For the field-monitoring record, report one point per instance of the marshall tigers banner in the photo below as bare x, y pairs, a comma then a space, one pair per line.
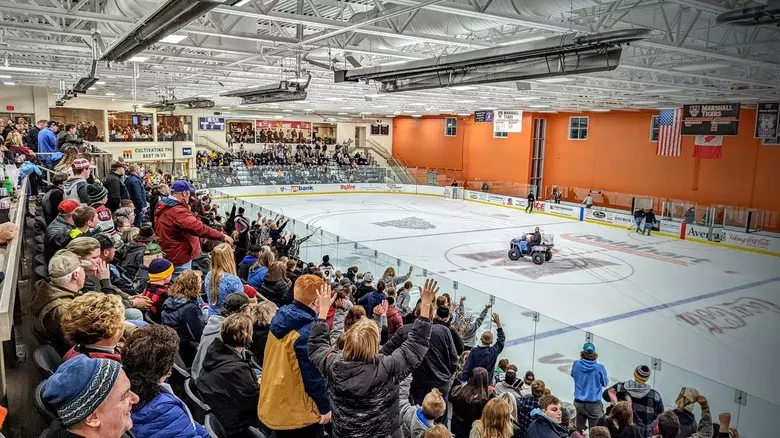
767, 120
710, 119
707, 147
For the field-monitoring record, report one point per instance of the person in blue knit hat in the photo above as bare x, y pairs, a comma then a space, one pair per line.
590, 379
92, 398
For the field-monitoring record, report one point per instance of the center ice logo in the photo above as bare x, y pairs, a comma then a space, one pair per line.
408, 223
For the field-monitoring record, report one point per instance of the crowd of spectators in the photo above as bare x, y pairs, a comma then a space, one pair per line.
283, 155
146, 279
130, 133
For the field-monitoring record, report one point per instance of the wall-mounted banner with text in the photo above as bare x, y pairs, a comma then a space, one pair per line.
508, 121
710, 119
483, 116
767, 120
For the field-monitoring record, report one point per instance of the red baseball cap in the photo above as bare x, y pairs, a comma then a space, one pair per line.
67, 206
250, 291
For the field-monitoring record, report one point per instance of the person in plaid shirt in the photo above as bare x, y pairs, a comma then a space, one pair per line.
160, 272
527, 404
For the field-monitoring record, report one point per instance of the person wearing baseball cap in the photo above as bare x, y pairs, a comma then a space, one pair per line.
76, 186
47, 142
590, 379
115, 186
92, 398
57, 233
237, 302
179, 231
137, 193
66, 279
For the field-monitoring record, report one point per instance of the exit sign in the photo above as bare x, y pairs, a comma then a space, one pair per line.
9, 108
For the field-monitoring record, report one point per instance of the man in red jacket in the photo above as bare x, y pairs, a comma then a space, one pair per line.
178, 230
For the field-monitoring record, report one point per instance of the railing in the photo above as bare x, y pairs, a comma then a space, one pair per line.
207, 177
535, 342
205, 140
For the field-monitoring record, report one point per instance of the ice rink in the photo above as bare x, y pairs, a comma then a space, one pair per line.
709, 310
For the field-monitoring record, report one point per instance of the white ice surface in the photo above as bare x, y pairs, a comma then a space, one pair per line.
632, 302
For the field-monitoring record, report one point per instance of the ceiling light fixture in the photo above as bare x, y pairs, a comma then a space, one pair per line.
539, 105
287, 110
464, 114
347, 107
463, 88
138, 59
342, 114
100, 82
522, 41
9, 83
379, 106
410, 111
173, 39
5, 77
465, 101
416, 115
555, 80
110, 94
526, 98
334, 99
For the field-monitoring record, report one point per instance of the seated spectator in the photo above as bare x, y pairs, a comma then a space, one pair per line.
620, 422
94, 324
525, 405
547, 419
496, 421
437, 431
645, 401
590, 378
148, 360
234, 303
275, 284
75, 187
415, 420
528, 380
107, 255
92, 398
468, 401
57, 233
98, 196
262, 314
249, 259
152, 252
362, 382
160, 272
486, 355
52, 199
511, 400
222, 280
599, 432
84, 220
121, 224
131, 257
181, 311
49, 301
510, 384
227, 381
259, 269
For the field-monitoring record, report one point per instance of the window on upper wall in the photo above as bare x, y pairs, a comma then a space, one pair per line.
500, 134
654, 128
450, 126
578, 128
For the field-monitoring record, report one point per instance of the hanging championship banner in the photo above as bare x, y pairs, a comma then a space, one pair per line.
710, 119
483, 116
767, 120
508, 121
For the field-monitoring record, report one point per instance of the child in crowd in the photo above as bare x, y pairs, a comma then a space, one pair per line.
160, 272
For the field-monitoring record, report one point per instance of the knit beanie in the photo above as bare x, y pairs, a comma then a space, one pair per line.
160, 269
642, 374
79, 387
96, 193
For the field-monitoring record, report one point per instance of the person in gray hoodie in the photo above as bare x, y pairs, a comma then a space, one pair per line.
390, 280
467, 326
510, 384
645, 401
415, 420
234, 303
75, 187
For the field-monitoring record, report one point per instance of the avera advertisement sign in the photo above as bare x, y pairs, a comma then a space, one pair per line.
711, 119
766, 120
703, 233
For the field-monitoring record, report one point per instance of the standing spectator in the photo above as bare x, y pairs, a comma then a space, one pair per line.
590, 379
182, 312
68, 138
47, 142
148, 359
390, 280
136, 193
645, 401
649, 221
234, 303
221, 281
294, 400
620, 422
276, 284
115, 186
159, 192
510, 384
364, 384
530, 200
262, 315
394, 319
528, 380
371, 299
94, 324
52, 198
92, 398
467, 326
468, 401
76, 186
403, 298
366, 286
669, 424
31, 139
588, 201
526, 405
179, 231
49, 300
443, 317
160, 271
547, 419
495, 422
227, 381
57, 233
639, 216
486, 355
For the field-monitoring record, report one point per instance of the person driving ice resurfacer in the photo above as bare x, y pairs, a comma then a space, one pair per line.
525, 243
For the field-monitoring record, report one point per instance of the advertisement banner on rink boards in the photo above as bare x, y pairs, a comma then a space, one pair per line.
508, 121
703, 233
476, 196
767, 119
752, 241
710, 119
608, 217
520, 203
562, 210
670, 227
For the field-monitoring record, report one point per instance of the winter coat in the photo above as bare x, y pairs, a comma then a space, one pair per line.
51, 203
645, 401
158, 293
93, 352
339, 316
256, 277
31, 139
116, 190
56, 237
185, 316
394, 320
136, 192
464, 411
459, 347
131, 258
392, 281
293, 394
274, 291
439, 364
526, 405
402, 302
371, 300
228, 384
362, 290
259, 339
365, 393
544, 427
468, 326
47, 142
226, 285
243, 267
211, 331
179, 231
76, 188
630, 431
413, 421
502, 387
590, 378
165, 416
94, 284
48, 305
485, 357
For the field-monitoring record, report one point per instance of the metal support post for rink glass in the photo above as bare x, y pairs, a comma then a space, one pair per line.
656, 364
740, 397
589, 337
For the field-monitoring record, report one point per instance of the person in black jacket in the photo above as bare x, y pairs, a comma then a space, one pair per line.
639, 216
227, 382
275, 283
649, 220
115, 186
57, 233
262, 314
485, 355
249, 259
443, 318
52, 198
31, 139
531, 199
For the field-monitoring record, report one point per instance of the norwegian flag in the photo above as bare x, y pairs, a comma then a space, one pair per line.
708, 146
669, 127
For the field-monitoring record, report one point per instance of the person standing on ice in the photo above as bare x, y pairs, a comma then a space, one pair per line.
531, 199
649, 220
639, 216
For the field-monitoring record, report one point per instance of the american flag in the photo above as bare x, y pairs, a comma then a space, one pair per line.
669, 127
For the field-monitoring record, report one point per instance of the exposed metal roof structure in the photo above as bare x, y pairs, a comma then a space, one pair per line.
687, 57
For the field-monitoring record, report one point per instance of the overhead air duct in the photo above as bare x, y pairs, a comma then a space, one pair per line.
284, 91
168, 18
170, 105
763, 15
87, 82
554, 56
